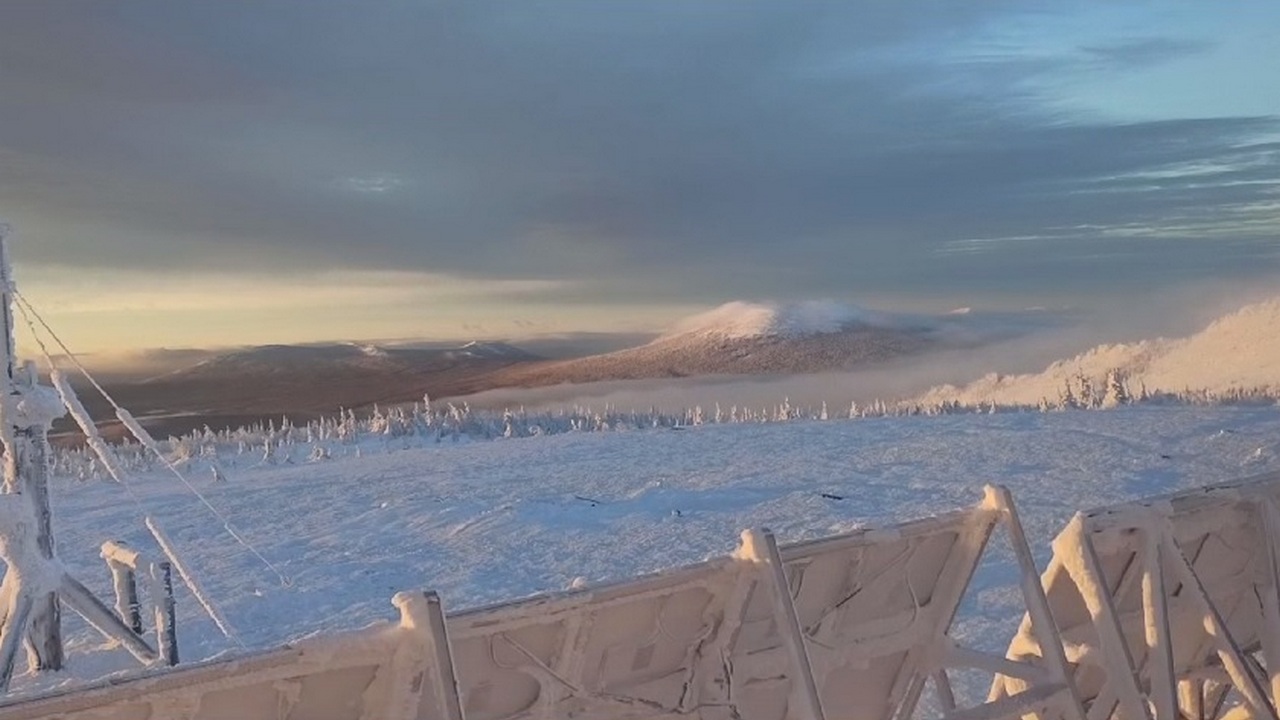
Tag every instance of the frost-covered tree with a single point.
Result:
(1117, 393)
(1085, 395)
(1067, 398)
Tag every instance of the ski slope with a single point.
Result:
(490, 520)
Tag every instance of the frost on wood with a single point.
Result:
(190, 579)
(1165, 604)
(857, 623)
(90, 429)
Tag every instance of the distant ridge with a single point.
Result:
(277, 360)
(248, 385)
(303, 382)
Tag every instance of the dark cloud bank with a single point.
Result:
(694, 151)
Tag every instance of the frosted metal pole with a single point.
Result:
(27, 474)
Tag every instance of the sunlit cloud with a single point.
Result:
(68, 291)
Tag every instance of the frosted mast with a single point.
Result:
(35, 585)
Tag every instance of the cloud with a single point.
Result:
(680, 150)
(113, 292)
(1141, 52)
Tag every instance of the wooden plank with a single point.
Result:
(1081, 562)
(961, 657)
(1228, 650)
(710, 681)
(1191, 698)
(429, 660)
(1155, 603)
(103, 620)
(1269, 631)
(44, 633)
(15, 624)
(125, 585)
(569, 663)
(1042, 622)
(1034, 701)
(763, 548)
(166, 617)
(445, 677)
(370, 646)
(942, 686)
(962, 561)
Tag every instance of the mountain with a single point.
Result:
(247, 385)
(742, 338)
(276, 361)
(303, 381)
(1239, 351)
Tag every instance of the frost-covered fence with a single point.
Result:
(126, 565)
(391, 670)
(1170, 607)
(1163, 609)
(848, 626)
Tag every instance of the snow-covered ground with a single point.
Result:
(482, 521)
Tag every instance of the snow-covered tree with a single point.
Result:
(1067, 398)
(1117, 393)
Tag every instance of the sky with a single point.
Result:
(208, 174)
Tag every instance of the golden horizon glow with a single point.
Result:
(126, 311)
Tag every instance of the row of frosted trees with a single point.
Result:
(349, 433)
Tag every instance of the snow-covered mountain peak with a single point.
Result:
(741, 320)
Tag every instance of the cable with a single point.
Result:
(142, 435)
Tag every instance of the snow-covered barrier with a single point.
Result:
(1169, 606)
(849, 626)
(389, 670)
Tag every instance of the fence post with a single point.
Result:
(166, 619)
(124, 582)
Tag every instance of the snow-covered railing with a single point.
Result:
(1169, 607)
(388, 670)
(1165, 609)
(849, 626)
(126, 565)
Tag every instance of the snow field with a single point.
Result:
(484, 521)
